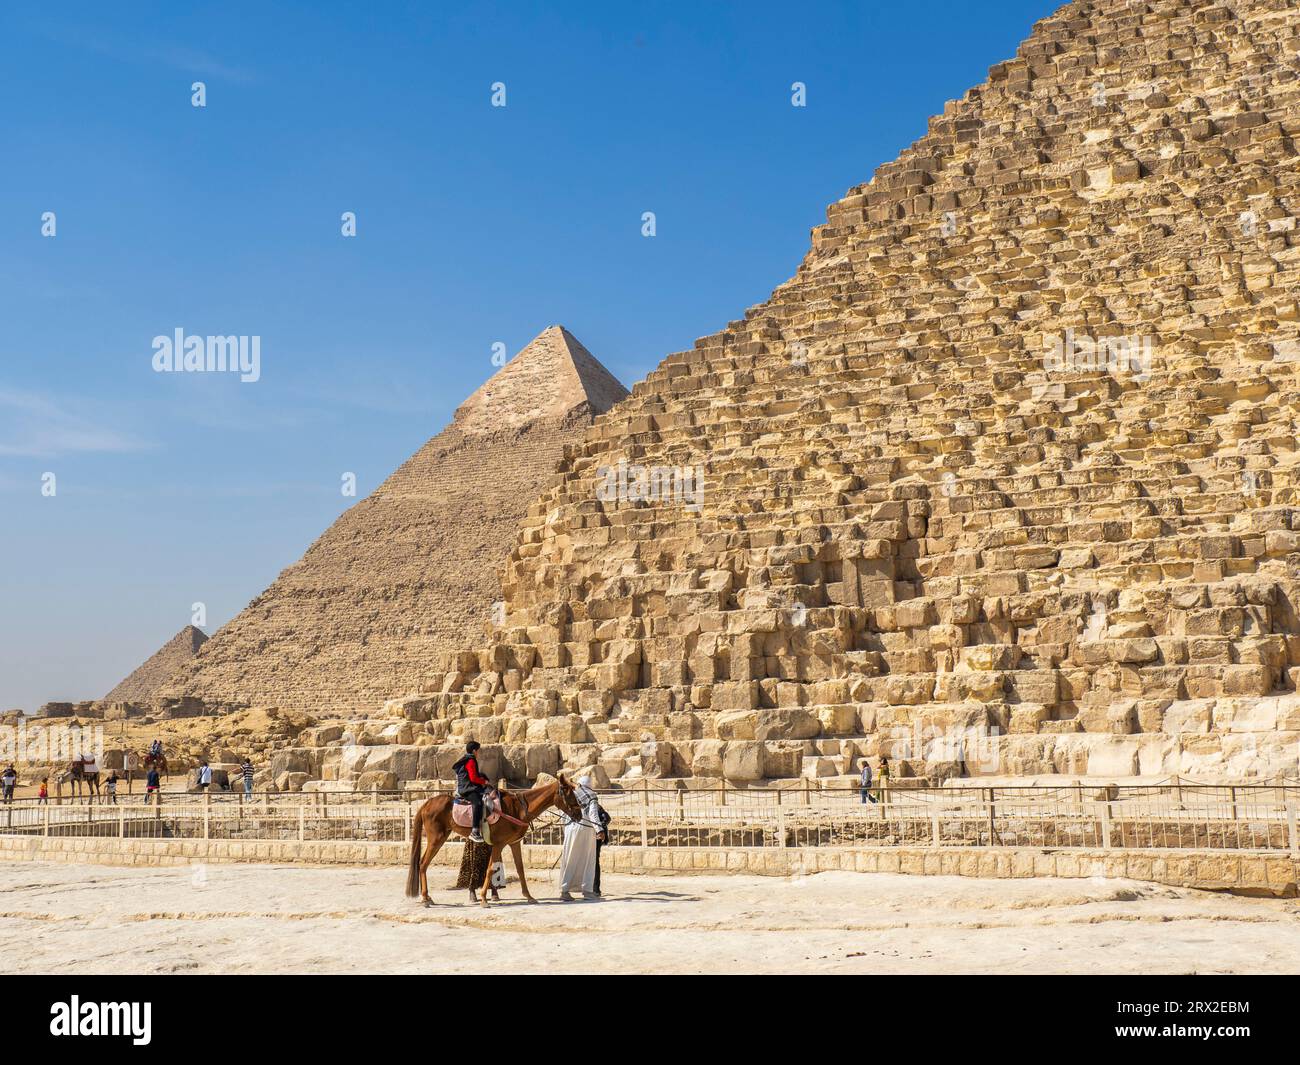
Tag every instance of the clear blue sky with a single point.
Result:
(475, 225)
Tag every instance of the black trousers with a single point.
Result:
(595, 884)
(475, 796)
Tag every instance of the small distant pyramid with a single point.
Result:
(411, 572)
(161, 667)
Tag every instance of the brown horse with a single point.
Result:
(149, 761)
(434, 817)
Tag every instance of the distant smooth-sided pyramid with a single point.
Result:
(1014, 453)
(412, 571)
(152, 675)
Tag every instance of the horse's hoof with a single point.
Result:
(427, 902)
(532, 901)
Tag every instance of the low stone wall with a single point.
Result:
(1247, 872)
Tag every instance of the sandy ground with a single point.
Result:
(265, 918)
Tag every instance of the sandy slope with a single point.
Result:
(66, 918)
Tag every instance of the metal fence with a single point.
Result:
(1205, 817)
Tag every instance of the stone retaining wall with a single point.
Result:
(1247, 872)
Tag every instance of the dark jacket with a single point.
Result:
(468, 775)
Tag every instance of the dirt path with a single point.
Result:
(262, 918)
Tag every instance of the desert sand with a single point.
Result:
(287, 919)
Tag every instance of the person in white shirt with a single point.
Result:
(205, 776)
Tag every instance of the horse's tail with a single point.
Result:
(413, 870)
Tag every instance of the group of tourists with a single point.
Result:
(882, 790)
(9, 781)
(85, 768)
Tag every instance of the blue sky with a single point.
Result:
(475, 225)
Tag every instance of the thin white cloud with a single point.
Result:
(177, 57)
(34, 425)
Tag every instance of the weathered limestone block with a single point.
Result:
(743, 760)
(656, 758)
(1115, 756)
(837, 720)
(734, 695)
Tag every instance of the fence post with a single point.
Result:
(207, 814)
(1292, 835)
(681, 804)
(406, 821)
(724, 791)
(45, 820)
(1232, 795)
(993, 826)
(934, 823)
(121, 822)
(302, 822)
(807, 791)
(1105, 821)
(780, 825)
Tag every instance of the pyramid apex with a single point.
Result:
(552, 376)
(147, 679)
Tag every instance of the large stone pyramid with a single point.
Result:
(152, 675)
(1012, 457)
(410, 572)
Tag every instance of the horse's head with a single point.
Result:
(566, 800)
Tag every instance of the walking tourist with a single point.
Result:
(7, 781)
(866, 782)
(602, 838)
(246, 771)
(883, 793)
(578, 858)
(205, 776)
(110, 785)
(152, 785)
(44, 794)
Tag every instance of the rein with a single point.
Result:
(560, 817)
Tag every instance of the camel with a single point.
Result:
(76, 773)
(518, 809)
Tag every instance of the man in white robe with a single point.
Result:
(578, 860)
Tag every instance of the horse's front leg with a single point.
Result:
(517, 849)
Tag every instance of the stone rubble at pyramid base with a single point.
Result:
(1213, 739)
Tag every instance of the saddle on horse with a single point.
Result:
(462, 810)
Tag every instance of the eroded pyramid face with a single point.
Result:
(1001, 481)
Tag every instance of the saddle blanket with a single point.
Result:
(463, 813)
